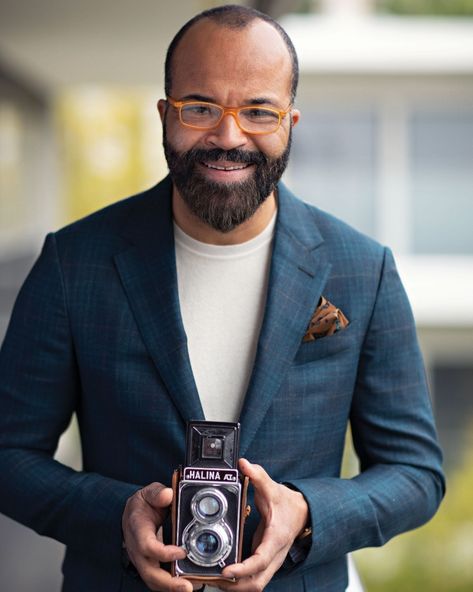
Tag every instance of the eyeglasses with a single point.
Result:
(206, 116)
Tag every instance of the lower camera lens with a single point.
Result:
(207, 543)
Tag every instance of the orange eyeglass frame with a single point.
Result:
(233, 111)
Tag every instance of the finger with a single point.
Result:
(271, 548)
(248, 568)
(246, 584)
(145, 510)
(143, 542)
(159, 579)
(259, 561)
(254, 581)
(257, 537)
(140, 533)
(148, 547)
(266, 490)
(256, 473)
(157, 495)
(265, 487)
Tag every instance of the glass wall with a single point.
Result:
(337, 164)
(441, 180)
(333, 163)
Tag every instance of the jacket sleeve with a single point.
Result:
(39, 391)
(400, 484)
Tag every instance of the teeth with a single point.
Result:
(226, 168)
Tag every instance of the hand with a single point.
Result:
(284, 514)
(143, 516)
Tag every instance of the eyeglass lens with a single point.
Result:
(204, 115)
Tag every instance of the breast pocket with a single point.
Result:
(311, 351)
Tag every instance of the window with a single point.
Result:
(333, 163)
(441, 181)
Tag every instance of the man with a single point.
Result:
(195, 299)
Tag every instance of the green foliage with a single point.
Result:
(427, 7)
(437, 557)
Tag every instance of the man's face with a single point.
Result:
(224, 175)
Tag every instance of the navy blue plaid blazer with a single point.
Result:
(97, 330)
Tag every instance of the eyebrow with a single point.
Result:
(206, 99)
(197, 97)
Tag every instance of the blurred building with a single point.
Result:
(385, 142)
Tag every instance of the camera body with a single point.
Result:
(209, 503)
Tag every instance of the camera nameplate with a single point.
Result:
(210, 475)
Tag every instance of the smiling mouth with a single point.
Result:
(233, 167)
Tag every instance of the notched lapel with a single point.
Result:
(299, 272)
(148, 273)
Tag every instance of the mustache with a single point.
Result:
(218, 154)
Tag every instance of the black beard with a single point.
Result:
(224, 206)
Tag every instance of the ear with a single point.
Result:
(162, 104)
(295, 116)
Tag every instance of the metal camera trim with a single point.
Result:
(209, 492)
(222, 533)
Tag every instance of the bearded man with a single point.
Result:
(218, 295)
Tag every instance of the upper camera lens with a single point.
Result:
(209, 506)
(207, 544)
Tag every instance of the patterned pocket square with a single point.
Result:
(326, 320)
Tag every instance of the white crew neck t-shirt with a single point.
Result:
(222, 295)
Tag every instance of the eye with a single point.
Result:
(259, 115)
(198, 110)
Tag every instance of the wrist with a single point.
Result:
(303, 538)
(303, 522)
(305, 529)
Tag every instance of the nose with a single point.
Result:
(228, 134)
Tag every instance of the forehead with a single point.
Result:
(232, 64)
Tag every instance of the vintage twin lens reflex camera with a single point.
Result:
(209, 506)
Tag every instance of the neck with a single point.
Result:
(199, 230)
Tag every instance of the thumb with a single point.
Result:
(158, 496)
(257, 475)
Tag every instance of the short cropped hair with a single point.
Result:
(231, 16)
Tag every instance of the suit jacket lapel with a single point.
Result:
(147, 269)
(299, 271)
(148, 273)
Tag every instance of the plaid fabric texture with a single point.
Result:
(97, 331)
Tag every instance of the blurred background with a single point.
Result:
(385, 142)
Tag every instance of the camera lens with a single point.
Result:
(207, 543)
(209, 505)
